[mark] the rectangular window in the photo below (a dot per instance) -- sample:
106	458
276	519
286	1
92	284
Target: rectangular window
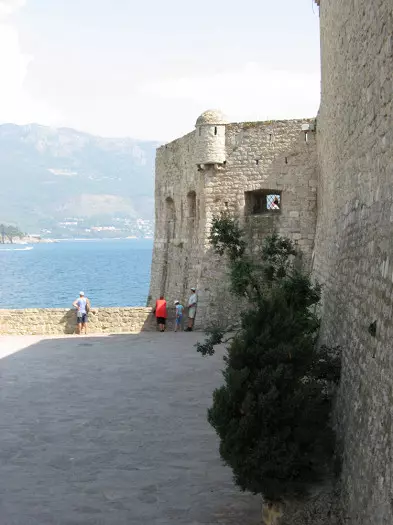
260	202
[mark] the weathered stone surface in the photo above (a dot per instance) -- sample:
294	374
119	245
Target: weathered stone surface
354	242
57	321
322	507
112	430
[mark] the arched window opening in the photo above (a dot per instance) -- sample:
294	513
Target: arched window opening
170	218
169	209
191	204
191	215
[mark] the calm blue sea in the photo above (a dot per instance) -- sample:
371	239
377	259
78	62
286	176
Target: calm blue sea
111	273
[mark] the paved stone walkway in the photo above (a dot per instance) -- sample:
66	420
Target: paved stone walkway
112	431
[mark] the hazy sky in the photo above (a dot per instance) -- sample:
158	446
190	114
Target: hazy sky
148	68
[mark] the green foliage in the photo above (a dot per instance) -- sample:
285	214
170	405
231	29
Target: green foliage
273	412
226	237
215	337
276	254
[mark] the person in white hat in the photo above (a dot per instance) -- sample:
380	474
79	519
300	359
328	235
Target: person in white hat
192	307
179	315
82	305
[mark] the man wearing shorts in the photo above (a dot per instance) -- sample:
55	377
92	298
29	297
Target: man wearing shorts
192	307
82	305
161	313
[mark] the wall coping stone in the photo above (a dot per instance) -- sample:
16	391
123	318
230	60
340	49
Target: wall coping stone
60	321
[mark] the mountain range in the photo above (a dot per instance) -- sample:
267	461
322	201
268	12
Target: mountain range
49	176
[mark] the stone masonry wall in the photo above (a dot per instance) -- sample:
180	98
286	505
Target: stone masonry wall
57	321
179	219
354	241
271	156
262	155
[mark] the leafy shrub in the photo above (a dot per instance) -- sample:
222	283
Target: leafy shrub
273	412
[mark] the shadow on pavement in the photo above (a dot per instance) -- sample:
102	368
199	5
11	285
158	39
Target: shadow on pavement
113	430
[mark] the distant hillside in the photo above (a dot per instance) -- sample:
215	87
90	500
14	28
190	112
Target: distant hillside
48	175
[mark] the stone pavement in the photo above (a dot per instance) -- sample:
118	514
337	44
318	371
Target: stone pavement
112	430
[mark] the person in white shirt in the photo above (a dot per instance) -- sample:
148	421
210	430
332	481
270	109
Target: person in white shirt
192	307
82	305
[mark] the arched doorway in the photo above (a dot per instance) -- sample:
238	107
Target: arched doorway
170	218
191	215
169	226
191	204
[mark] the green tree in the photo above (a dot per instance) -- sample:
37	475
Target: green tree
273	412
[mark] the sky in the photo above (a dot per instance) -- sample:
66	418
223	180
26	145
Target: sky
147	69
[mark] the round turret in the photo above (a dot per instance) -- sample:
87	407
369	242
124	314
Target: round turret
210	138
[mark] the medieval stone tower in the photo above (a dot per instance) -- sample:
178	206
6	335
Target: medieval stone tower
240	167
210	139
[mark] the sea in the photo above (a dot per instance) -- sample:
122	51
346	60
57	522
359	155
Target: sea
51	275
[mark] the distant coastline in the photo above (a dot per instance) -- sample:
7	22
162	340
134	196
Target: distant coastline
28	240
98	239
39	240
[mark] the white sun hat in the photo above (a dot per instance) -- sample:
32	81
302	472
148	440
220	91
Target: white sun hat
81	293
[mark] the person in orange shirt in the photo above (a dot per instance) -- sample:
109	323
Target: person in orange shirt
161	313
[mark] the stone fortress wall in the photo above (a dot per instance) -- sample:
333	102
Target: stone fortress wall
230	167
336	203
354	241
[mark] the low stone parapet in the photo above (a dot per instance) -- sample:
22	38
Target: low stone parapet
60	321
